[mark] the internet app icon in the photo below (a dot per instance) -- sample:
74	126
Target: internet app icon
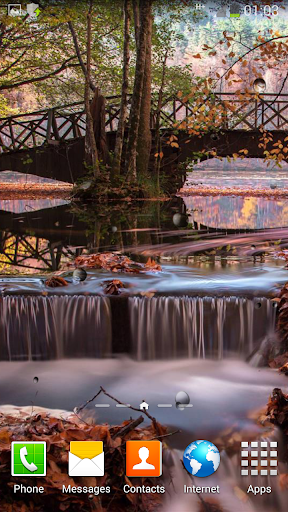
28	459
201	458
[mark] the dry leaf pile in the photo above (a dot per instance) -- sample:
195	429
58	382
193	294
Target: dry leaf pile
282	255
56	282
115	262
277	409
284	368
277	413
58	433
282	328
113	287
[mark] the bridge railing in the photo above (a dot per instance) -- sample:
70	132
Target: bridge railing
251	112
51	125
238	112
36	128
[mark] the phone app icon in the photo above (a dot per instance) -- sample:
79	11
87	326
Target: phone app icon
28	459
143	458
86	458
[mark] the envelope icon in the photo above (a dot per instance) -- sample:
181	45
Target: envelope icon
86	458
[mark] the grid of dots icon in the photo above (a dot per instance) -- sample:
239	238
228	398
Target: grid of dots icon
259	453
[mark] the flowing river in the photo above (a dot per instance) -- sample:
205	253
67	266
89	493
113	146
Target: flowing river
199	325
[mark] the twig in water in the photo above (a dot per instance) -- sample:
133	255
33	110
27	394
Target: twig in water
79	409
166	435
127	428
144	411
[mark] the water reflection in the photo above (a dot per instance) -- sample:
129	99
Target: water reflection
238	174
237	212
51	237
29	205
46	235
228	212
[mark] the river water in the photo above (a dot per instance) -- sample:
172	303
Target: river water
190	327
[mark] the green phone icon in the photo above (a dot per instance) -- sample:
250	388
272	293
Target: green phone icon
28	458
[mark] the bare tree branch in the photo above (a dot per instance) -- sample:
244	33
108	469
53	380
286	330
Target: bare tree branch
79	54
249	51
5	70
63	66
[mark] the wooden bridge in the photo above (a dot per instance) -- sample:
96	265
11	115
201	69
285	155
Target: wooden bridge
38	142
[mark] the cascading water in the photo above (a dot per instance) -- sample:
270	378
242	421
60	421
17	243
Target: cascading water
170	327
54	327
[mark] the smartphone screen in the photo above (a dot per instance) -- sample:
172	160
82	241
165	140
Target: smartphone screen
143	256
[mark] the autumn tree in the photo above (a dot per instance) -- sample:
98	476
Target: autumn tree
145	14
91	152
124	92
119	48
144	135
241	66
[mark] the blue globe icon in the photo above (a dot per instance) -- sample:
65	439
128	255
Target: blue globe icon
201	458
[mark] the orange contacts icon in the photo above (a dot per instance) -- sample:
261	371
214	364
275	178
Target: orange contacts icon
143	458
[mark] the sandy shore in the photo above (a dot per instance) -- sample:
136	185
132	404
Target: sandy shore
233	191
35	190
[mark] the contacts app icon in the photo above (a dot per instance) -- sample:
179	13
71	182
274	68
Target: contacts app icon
143	458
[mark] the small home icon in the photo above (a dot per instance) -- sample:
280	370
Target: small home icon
144	405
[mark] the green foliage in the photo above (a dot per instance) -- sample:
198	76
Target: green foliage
42	55
5	109
210	33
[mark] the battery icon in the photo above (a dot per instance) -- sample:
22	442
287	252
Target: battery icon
234	11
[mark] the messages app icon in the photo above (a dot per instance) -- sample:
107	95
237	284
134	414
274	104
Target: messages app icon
28	459
86	458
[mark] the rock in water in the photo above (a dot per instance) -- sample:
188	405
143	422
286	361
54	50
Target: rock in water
180	220
79	274
265	352
85	185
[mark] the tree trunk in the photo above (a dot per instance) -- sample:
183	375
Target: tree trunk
78	53
91	154
144	136
124	99
97	110
130	167
136	16
158	148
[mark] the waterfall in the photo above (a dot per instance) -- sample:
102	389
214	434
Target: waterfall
170	327
34	327
53	327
